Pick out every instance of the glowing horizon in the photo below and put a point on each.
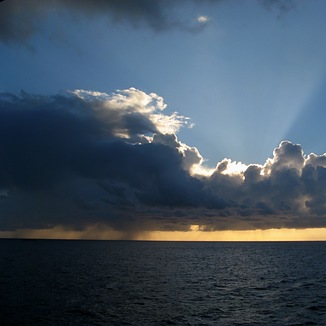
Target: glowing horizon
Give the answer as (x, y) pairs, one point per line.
(100, 232)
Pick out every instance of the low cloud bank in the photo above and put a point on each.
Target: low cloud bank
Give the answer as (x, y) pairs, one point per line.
(85, 158)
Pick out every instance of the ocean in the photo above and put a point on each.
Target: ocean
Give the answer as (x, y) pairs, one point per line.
(59, 282)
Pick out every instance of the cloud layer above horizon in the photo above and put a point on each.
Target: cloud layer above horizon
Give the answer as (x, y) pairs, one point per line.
(83, 158)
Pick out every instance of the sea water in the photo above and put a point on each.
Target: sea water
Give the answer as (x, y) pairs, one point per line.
(48, 282)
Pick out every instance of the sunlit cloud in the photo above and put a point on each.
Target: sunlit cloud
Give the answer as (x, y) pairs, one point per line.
(203, 19)
(130, 102)
(81, 159)
(229, 167)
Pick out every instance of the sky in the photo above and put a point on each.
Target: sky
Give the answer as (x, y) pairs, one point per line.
(158, 119)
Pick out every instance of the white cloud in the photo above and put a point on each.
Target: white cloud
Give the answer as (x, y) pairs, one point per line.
(134, 101)
(202, 19)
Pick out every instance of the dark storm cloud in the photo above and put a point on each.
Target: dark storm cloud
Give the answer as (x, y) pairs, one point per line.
(43, 138)
(19, 20)
(81, 158)
(85, 158)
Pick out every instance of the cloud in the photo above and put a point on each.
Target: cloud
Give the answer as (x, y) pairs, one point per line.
(84, 158)
(202, 19)
(20, 20)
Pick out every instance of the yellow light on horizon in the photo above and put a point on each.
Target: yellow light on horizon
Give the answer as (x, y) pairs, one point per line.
(311, 234)
(98, 232)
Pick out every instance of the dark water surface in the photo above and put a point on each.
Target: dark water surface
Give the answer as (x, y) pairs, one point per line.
(46, 282)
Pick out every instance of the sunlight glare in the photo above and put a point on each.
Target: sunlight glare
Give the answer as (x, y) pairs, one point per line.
(100, 232)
